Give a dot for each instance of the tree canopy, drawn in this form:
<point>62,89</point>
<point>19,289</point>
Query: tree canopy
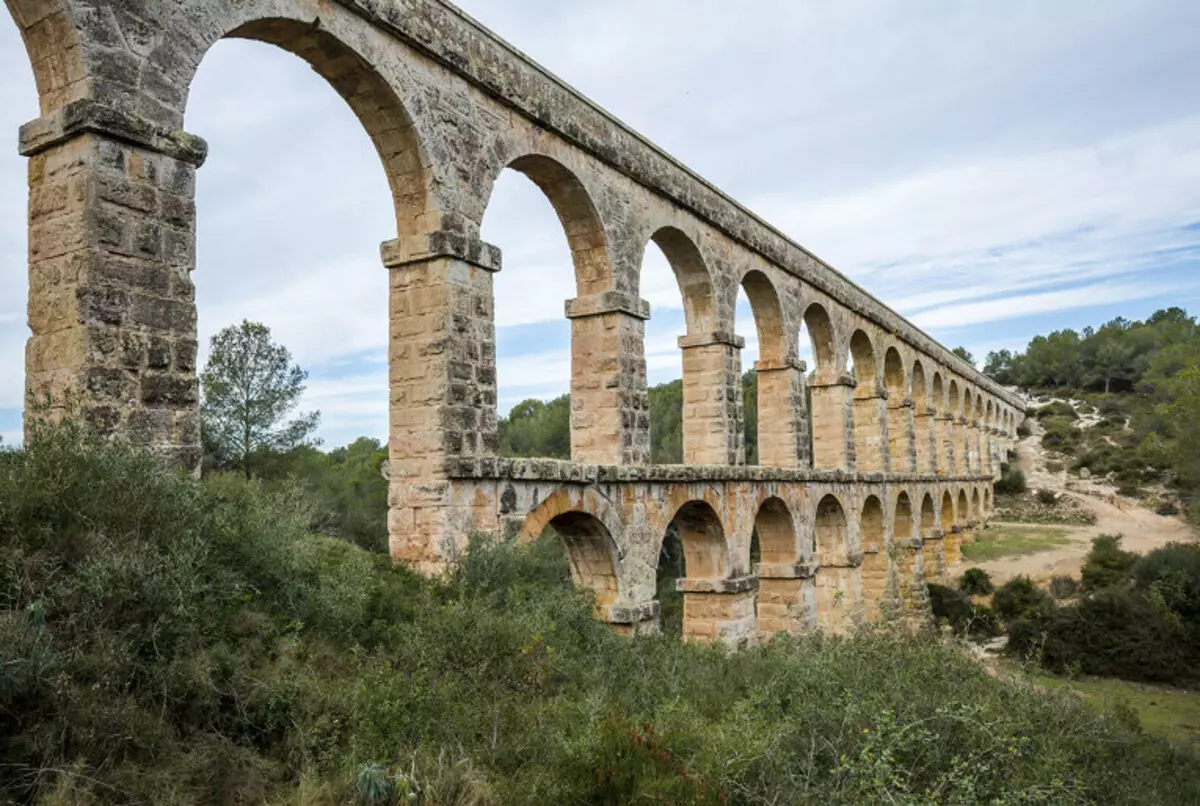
<point>250,388</point>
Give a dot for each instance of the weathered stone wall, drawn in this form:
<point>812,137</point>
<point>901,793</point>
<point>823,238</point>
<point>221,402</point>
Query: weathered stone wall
<point>449,106</point>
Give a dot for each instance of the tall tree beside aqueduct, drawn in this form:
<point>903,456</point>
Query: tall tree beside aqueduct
<point>903,450</point>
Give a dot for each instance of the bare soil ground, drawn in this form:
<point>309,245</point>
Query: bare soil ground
<point>1142,529</point>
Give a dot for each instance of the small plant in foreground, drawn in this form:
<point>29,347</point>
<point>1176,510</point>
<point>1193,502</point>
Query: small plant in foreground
<point>976,582</point>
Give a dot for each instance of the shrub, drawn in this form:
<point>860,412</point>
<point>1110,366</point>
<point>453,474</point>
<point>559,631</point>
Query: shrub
<point>1064,587</point>
<point>1129,491</point>
<point>1171,574</point>
<point>1023,430</point>
<point>1019,597</point>
<point>1057,409</point>
<point>1107,564</point>
<point>1055,467</point>
<point>976,582</point>
<point>1047,498</point>
<point>1012,481</point>
<point>167,641</point>
<point>964,618</point>
<point>1168,509</point>
<point>1061,436</point>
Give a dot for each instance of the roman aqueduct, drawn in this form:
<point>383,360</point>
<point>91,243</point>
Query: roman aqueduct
<point>868,479</point>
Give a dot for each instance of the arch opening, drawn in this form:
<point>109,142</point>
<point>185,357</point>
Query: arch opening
<point>767,406</point>
<point>590,553</point>
<point>830,537</point>
<point>947,513</point>
<point>775,533</point>
<point>964,508</point>
<point>902,525</point>
<point>862,364</point>
<point>928,517</point>
<point>873,532</point>
<point>824,345</point>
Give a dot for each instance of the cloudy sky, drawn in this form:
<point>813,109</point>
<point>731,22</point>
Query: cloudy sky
<point>991,170</point>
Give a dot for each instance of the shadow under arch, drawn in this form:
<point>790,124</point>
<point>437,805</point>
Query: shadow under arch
<point>902,521</point>
<point>873,538</point>
<point>591,554</point>
<point>776,533</point>
<point>824,342</point>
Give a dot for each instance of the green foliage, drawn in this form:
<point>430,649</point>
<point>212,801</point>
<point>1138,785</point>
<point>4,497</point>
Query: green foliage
<point>955,608</point>
<point>1012,481</point>
<point>666,423</point>
<point>1023,430</point>
<point>1019,597</point>
<point>976,582</point>
<point>250,386</point>
<point>964,354</point>
<point>1061,435</point>
<point>1057,409</point>
<point>168,641</point>
<point>1107,565</point>
<point>1064,587</point>
<point>1047,498</point>
<point>536,429</point>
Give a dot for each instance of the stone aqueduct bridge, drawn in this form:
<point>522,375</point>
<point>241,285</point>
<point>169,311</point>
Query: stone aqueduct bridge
<point>903,450</point>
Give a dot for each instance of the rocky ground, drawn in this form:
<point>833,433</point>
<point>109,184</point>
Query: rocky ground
<point>1142,530</point>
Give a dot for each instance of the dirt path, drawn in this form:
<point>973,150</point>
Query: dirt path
<point>1142,530</point>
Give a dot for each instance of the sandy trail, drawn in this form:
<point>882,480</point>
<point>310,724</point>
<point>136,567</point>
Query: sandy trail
<point>1141,529</point>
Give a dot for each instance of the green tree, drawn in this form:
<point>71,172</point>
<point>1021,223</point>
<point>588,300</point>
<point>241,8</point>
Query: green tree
<point>999,367</point>
<point>250,387</point>
<point>1182,414</point>
<point>537,429</point>
<point>964,354</point>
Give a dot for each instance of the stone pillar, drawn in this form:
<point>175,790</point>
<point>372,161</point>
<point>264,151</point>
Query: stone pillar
<point>782,424</point>
<point>952,548</point>
<point>944,426</point>
<point>963,463</point>
<point>933,552</point>
<point>985,450</point>
<point>610,407</point>
<point>833,424</point>
<point>787,598</point>
<point>997,448</point>
<point>902,436</point>
<point>719,610</point>
<point>839,592</point>
<point>712,399</point>
<point>632,620</point>
<point>111,302</point>
<point>874,580</point>
<point>870,434</point>
<point>442,356</point>
<point>914,594</point>
<point>924,428</point>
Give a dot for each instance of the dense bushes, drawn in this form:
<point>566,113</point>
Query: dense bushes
<point>955,609</point>
<point>1012,481</point>
<point>975,582</point>
<point>163,641</point>
<point>1139,617</point>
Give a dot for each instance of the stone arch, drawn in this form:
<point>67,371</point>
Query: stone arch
<point>947,512</point>
<point>824,341</point>
<point>54,50</point>
<point>774,345</point>
<point>375,102</point>
<point>693,276</point>
<point>862,350</point>
<point>591,553</point>
<point>872,526</point>
<point>703,539</point>
<point>580,219</point>
<point>987,501</point>
<point>920,389</point>
<point>586,524</point>
<point>963,510</point>
<point>776,533</point>
<point>953,403</point>
<point>902,520</point>
<point>831,538</point>
<point>928,516</point>
<point>976,511</point>
<point>894,377</point>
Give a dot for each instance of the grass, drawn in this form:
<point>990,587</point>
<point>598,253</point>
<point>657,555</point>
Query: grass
<point>1003,540</point>
<point>1168,712</point>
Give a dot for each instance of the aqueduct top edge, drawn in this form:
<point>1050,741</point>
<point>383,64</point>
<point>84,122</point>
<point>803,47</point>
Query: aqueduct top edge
<point>458,44</point>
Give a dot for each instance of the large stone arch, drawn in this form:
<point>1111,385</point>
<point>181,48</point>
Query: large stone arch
<point>55,51</point>
<point>782,435</point>
<point>580,218</point>
<point>693,277</point>
<point>832,412</point>
<point>823,336</point>
<point>715,607</point>
<point>901,423</point>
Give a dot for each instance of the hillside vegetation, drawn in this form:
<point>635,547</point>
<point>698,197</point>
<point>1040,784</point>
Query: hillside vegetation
<point>168,641</point>
<point>1136,387</point>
